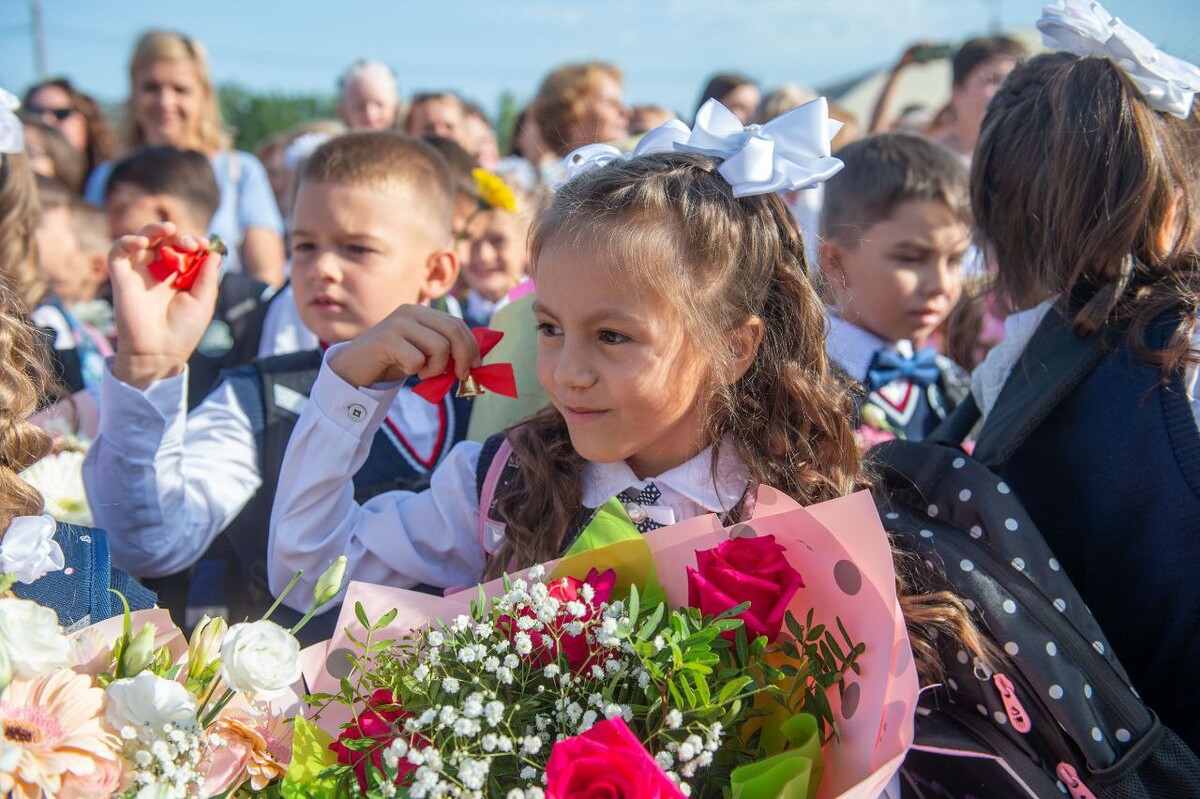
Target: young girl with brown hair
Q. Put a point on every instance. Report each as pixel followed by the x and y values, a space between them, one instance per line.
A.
pixel 1085 195
pixel 681 343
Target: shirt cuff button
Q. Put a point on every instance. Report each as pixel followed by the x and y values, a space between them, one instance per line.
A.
pixel 356 412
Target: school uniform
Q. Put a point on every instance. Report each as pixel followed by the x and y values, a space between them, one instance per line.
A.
pixel 433 537
pixel 1112 479
pixel 914 390
pixel 166 483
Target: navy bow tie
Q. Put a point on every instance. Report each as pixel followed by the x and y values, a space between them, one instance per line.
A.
pixel 888 366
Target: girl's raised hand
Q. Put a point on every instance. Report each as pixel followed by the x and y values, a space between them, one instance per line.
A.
pixel 158 325
pixel 412 340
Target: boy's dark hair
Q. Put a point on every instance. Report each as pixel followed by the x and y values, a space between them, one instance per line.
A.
pixel 166 170
pixel 388 160
pixel 975 51
pixel 884 171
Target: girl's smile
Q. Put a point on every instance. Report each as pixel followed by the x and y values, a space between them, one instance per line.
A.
pixel 617 364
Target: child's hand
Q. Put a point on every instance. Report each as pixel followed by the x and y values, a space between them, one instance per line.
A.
pixel 413 340
pixel 158 325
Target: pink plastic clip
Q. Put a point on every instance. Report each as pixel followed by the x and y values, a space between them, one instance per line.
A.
pixel 1012 705
pixel 1075 786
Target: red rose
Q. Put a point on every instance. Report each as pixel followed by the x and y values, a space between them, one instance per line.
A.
pixel 179 265
pixel 380 722
pixel 575 647
pixel 606 762
pixel 741 570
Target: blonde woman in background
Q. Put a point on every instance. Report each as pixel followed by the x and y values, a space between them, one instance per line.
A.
pixel 172 101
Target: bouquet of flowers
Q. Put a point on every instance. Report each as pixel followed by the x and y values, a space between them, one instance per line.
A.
pixel 128 707
pixel 760 661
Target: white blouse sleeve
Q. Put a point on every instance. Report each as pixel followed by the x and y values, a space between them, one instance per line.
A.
pixel 398 538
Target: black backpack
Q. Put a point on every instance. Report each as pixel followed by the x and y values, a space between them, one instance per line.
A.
pixel 1058 716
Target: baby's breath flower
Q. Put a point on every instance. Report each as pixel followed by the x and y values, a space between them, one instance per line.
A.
pixel 577 608
pixel 435 638
pixel 587 592
pixel 515 793
pixel 588 721
pixel 536 573
pixel 447 715
pixel 490 664
pixel 505 675
pixel 522 643
pixel 551 671
pixel 461 623
pixel 511 661
pixel 659 643
pixel 493 713
pixel 531 745
pixel 529 773
pixel 665 760
pixel 421 673
pixel 612 710
pixel 673 721
pixel 450 685
pixel 573 627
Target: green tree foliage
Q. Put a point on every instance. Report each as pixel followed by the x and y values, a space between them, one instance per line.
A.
pixel 254 116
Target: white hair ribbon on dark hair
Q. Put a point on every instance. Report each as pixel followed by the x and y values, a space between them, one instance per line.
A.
pixel 790 152
pixel 593 156
pixel 1085 28
pixel 12 135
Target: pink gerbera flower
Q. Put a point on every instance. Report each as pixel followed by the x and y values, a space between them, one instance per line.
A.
pixel 52 728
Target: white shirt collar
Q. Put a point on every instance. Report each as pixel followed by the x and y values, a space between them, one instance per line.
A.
pixel 851 346
pixel 691 480
pixel 480 308
pixel 989 377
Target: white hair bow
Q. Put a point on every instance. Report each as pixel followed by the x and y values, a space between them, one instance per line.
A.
pixel 593 156
pixel 12 135
pixel 791 151
pixel 1087 29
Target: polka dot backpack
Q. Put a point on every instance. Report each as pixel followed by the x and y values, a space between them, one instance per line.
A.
pixel 1057 716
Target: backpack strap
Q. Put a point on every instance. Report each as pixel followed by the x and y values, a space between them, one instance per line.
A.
pixel 1053 365
pixel 496 466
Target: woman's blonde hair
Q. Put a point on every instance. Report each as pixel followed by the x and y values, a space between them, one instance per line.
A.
pixel 211 135
pixel 562 98
pixel 670 223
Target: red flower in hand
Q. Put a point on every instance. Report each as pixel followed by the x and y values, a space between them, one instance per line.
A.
pixel 497 377
pixel 181 266
pixel 576 648
pixel 741 570
pixel 380 722
pixel 606 762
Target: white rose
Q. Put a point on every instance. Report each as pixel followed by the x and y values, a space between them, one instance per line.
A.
pixel 28 550
pixel 260 658
pixel 32 639
pixel 148 700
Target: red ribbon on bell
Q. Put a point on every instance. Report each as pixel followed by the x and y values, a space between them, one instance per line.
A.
pixel 495 377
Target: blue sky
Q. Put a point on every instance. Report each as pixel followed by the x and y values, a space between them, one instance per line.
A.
pixel 666 47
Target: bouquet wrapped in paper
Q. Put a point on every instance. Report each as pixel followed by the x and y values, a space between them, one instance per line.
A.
pixel 767 659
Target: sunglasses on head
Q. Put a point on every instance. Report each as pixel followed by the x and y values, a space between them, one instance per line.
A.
pixel 58 113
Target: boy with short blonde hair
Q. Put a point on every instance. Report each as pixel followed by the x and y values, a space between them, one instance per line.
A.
pixel 370 231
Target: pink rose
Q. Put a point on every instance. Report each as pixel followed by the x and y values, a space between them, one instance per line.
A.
pixel 741 570
pixel 575 647
pixel 606 762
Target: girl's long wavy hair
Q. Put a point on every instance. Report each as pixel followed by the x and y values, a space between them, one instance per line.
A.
pixel 668 224
pixel 1077 185
pixel 18 222
pixel 24 379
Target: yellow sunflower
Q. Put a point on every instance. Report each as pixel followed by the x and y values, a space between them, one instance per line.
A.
pixel 51 728
pixel 494 192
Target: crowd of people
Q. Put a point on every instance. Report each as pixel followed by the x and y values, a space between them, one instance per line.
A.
pixel 753 295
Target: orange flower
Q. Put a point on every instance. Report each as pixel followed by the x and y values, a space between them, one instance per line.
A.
pixel 257 750
pixel 52 729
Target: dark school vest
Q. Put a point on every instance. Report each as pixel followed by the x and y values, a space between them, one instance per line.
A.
pixel 273 392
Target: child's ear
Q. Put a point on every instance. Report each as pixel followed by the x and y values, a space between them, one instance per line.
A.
pixel 744 342
pixel 441 273
pixel 97 267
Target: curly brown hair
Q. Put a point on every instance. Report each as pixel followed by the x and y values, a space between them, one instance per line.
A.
pixel 24 380
pixel 671 224
pixel 562 97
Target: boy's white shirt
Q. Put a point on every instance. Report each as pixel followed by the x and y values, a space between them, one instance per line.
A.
pixel 164 483
pixel 283 331
pixel 989 377
pixel 850 346
pixel 480 308
pixel 402 538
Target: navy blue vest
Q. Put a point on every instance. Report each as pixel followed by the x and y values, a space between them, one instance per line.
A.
pixel 1112 480
pixel 80 592
pixel 262 387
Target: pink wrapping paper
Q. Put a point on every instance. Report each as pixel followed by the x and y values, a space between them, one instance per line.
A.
pixel 848 574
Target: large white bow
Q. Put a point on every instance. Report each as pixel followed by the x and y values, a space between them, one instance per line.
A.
pixel 1087 29
pixel 12 135
pixel 790 152
pixel 593 156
